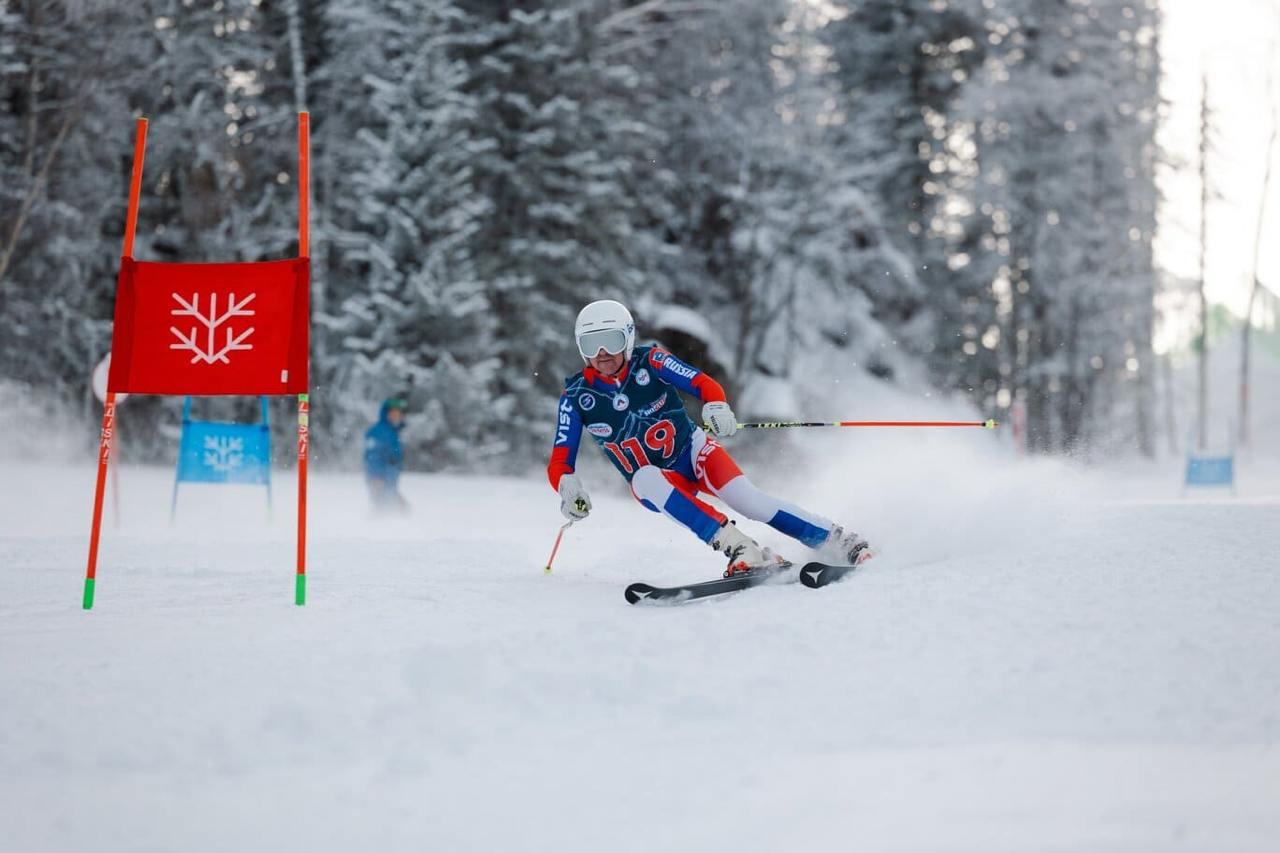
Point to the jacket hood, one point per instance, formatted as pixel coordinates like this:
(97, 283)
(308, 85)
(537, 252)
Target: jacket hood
(387, 405)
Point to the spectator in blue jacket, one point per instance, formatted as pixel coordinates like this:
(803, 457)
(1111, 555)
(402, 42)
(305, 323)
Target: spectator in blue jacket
(382, 457)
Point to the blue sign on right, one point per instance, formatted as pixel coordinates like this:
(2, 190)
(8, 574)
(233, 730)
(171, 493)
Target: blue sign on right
(1211, 471)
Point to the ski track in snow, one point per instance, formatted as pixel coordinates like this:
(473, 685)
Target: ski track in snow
(1040, 659)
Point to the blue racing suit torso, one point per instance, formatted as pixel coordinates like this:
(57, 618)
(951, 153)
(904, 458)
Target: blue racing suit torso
(636, 417)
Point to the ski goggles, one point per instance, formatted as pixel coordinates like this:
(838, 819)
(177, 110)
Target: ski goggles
(612, 341)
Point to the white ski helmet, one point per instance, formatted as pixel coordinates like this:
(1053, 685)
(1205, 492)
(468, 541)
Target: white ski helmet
(605, 325)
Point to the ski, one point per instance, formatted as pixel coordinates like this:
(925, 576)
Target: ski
(639, 592)
(815, 575)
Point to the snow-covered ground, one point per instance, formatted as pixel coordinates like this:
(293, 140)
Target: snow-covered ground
(1041, 659)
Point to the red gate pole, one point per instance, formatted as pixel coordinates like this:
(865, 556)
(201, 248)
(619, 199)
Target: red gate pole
(109, 405)
(304, 407)
(115, 482)
(104, 457)
(300, 585)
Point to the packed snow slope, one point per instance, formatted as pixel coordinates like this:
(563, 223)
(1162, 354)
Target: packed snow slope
(1040, 659)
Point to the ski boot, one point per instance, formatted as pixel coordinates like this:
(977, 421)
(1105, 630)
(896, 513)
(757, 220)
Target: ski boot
(848, 549)
(744, 553)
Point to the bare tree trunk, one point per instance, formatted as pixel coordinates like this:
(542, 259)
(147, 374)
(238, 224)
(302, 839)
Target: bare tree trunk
(1145, 444)
(296, 56)
(1147, 414)
(1171, 423)
(37, 183)
(1012, 345)
(1071, 400)
(1253, 291)
(1202, 398)
(1040, 434)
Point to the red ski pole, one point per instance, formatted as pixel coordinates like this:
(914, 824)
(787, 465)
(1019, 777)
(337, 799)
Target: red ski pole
(547, 569)
(990, 423)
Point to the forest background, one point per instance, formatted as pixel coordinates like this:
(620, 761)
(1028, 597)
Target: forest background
(786, 192)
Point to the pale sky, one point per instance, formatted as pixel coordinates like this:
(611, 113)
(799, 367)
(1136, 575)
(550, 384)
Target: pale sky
(1235, 41)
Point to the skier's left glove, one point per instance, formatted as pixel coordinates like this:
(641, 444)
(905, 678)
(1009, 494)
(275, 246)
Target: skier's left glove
(574, 501)
(720, 418)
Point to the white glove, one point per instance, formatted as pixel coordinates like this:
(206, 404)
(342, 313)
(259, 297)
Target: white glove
(574, 502)
(720, 418)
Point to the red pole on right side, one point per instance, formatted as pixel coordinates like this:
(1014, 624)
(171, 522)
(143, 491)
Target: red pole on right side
(990, 423)
(109, 405)
(304, 405)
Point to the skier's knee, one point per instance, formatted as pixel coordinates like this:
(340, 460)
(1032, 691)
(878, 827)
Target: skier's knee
(648, 479)
(649, 486)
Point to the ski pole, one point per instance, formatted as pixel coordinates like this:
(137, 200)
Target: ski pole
(547, 569)
(990, 423)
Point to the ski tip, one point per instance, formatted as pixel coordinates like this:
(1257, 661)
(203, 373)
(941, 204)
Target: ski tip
(813, 575)
(638, 592)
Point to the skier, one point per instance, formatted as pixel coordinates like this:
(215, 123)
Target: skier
(382, 457)
(627, 398)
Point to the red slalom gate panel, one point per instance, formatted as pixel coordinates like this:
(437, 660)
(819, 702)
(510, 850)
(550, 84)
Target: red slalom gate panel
(210, 328)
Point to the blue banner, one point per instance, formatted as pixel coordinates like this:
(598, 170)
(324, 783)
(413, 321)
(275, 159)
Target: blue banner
(219, 452)
(1211, 471)
(213, 452)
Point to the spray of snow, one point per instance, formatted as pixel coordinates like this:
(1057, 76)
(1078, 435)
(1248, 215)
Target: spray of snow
(1043, 657)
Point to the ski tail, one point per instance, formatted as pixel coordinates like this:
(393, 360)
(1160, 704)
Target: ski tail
(818, 575)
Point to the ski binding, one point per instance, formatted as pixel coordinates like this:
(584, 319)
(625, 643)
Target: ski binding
(643, 592)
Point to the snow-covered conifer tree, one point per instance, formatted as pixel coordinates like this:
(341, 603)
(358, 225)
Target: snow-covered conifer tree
(414, 314)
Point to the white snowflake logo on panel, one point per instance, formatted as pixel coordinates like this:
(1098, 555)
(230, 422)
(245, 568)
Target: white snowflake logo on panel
(210, 351)
(223, 454)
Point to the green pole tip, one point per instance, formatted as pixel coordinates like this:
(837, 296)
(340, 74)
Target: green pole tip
(88, 593)
(990, 424)
(300, 591)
